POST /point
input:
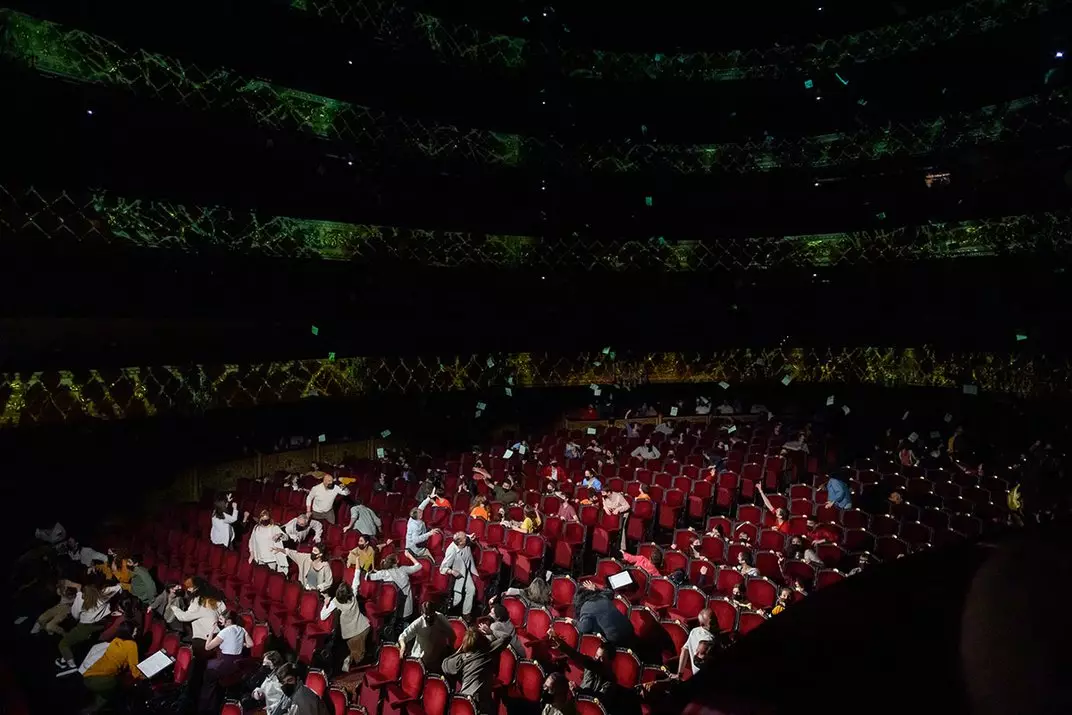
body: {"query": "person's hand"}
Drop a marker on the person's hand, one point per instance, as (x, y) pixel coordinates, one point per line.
(590, 585)
(484, 627)
(492, 600)
(245, 516)
(829, 504)
(279, 550)
(258, 694)
(345, 529)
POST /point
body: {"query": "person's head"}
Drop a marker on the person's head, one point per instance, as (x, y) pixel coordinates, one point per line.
(191, 585)
(287, 675)
(362, 542)
(389, 562)
(302, 521)
(428, 612)
(704, 618)
(344, 593)
(228, 618)
(737, 592)
(647, 442)
(264, 518)
(780, 514)
(473, 640)
(480, 500)
(555, 688)
(134, 560)
(272, 659)
(539, 591)
(382, 478)
(592, 494)
(642, 488)
(864, 561)
(530, 511)
(604, 653)
(127, 631)
(415, 513)
(812, 524)
(656, 557)
(327, 481)
(588, 474)
(460, 539)
(785, 594)
(896, 498)
(219, 508)
(317, 553)
(499, 613)
(744, 558)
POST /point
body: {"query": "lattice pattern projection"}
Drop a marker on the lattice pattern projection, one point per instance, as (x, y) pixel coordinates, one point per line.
(453, 42)
(70, 396)
(103, 218)
(78, 55)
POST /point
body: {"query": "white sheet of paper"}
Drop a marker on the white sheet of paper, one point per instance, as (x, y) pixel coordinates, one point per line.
(935, 435)
(787, 379)
(830, 401)
(478, 413)
(845, 409)
(913, 437)
(155, 663)
(508, 453)
(673, 412)
(971, 390)
(522, 449)
(724, 385)
(322, 438)
(380, 453)
(904, 416)
(481, 406)
(619, 580)
(597, 392)
(732, 429)
(491, 362)
(509, 392)
(591, 430)
(386, 433)
(948, 417)
(20, 620)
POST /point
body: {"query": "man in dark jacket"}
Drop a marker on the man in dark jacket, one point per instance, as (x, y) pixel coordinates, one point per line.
(596, 614)
(298, 699)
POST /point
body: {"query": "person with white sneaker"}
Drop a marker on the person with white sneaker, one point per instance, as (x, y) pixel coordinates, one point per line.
(89, 608)
(50, 620)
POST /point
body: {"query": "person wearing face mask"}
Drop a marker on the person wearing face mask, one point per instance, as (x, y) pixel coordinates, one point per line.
(364, 520)
(263, 687)
(354, 626)
(320, 504)
(475, 664)
(206, 605)
(363, 556)
(697, 635)
(428, 639)
(297, 698)
(646, 451)
(599, 680)
(299, 528)
(224, 515)
(263, 541)
(314, 571)
(231, 640)
(556, 696)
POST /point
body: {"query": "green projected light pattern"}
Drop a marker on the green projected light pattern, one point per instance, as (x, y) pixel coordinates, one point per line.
(74, 54)
(79, 395)
(462, 43)
(102, 218)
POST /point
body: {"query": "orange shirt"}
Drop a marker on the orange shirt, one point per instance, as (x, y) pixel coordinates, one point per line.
(441, 502)
(642, 497)
(480, 512)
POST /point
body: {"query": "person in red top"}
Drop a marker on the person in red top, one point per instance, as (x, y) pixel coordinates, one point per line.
(650, 565)
(554, 472)
(781, 518)
(821, 533)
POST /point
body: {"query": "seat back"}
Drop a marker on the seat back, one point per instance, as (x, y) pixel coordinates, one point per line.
(183, 658)
(170, 644)
(435, 699)
(661, 592)
(412, 678)
(507, 667)
(316, 681)
(529, 681)
(231, 707)
(516, 608)
(538, 622)
(338, 700)
(563, 589)
(626, 667)
(259, 634)
(389, 663)
(462, 705)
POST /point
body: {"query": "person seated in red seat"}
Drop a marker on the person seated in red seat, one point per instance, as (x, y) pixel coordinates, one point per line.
(566, 510)
(614, 502)
(785, 597)
(554, 473)
(590, 413)
(739, 598)
(821, 533)
(590, 498)
(697, 635)
(781, 518)
(439, 500)
(744, 564)
(642, 493)
(599, 680)
(651, 565)
(556, 696)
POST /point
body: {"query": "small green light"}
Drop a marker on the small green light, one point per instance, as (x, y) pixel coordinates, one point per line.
(842, 79)
(315, 330)
(648, 201)
(808, 84)
(881, 216)
(1020, 337)
(331, 357)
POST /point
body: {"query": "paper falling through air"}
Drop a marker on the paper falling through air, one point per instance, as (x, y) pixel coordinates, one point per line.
(935, 434)
(593, 387)
(509, 392)
(478, 413)
(597, 392)
(971, 390)
(322, 438)
(673, 412)
(606, 350)
(491, 362)
(481, 406)
(331, 357)
(948, 417)
(386, 433)
(787, 379)
(20, 620)
(380, 453)
(732, 429)
(315, 330)
(508, 453)
(510, 381)
(591, 430)
(830, 401)
(913, 437)
(845, 409)
(904, 416)
(724, 385)
(1020, 337)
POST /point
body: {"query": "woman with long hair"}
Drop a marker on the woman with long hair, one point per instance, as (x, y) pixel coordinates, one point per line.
(536, 594)
(89, 608)
(102, 678)
(354, 627)
(224, 515)
(475, 664)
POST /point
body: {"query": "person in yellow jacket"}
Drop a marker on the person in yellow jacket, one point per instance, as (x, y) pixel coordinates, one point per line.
(102, 677)
(116, 569)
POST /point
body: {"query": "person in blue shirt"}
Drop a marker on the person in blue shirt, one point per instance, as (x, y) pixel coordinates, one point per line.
(591, 481)
(838, 493)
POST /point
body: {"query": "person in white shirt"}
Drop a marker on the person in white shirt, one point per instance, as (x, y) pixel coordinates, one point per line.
(231, 641)
(390, 570)
(203, 614)
(354, 626)
(320, 504)
(298, 529)
(429, 638)
(263, 540)
(363, 519)
(270, 691)
(725, 408)
(84, 555)
(703, 405)
(89, 608)
(646, 451)
(665, 427)
(458, 562)
(314, 571)
(224, 515)
(697, 635)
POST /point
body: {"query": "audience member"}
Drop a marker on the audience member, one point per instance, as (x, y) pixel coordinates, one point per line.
(297, 698)
(651, 565)
(263, 686)
(428, 639)
(364, 520)
(697, 635)
(265, 538)
(536, 594)
(89, 609)
(224, 515)
(102, 677)
(781, 516)
(475, 664)
(591, 481)
(503, 627)
(363, 556)
(354, 626)
(390, 570)
(599, 680)
(595, 612)
(614, 502)
(566, 510)
(480, 508)
(142, 585)
(458, 562)
(297, 530)
(785, 597)
(556, 696)
(314, 571)
(646, 451)
(838, 493)
(231, 640)
(51, 621)
(320, 504)
(744, 564)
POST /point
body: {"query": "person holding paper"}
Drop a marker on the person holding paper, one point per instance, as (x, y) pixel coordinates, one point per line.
(102, 678)
(781, 517)
(417, 532)
(666, 428)
(320, 504)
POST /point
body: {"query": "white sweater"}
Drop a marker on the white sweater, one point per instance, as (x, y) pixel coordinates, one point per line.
(322, 500)
(203, 620)
(261, 542)
(98, 612)
(222, 531)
